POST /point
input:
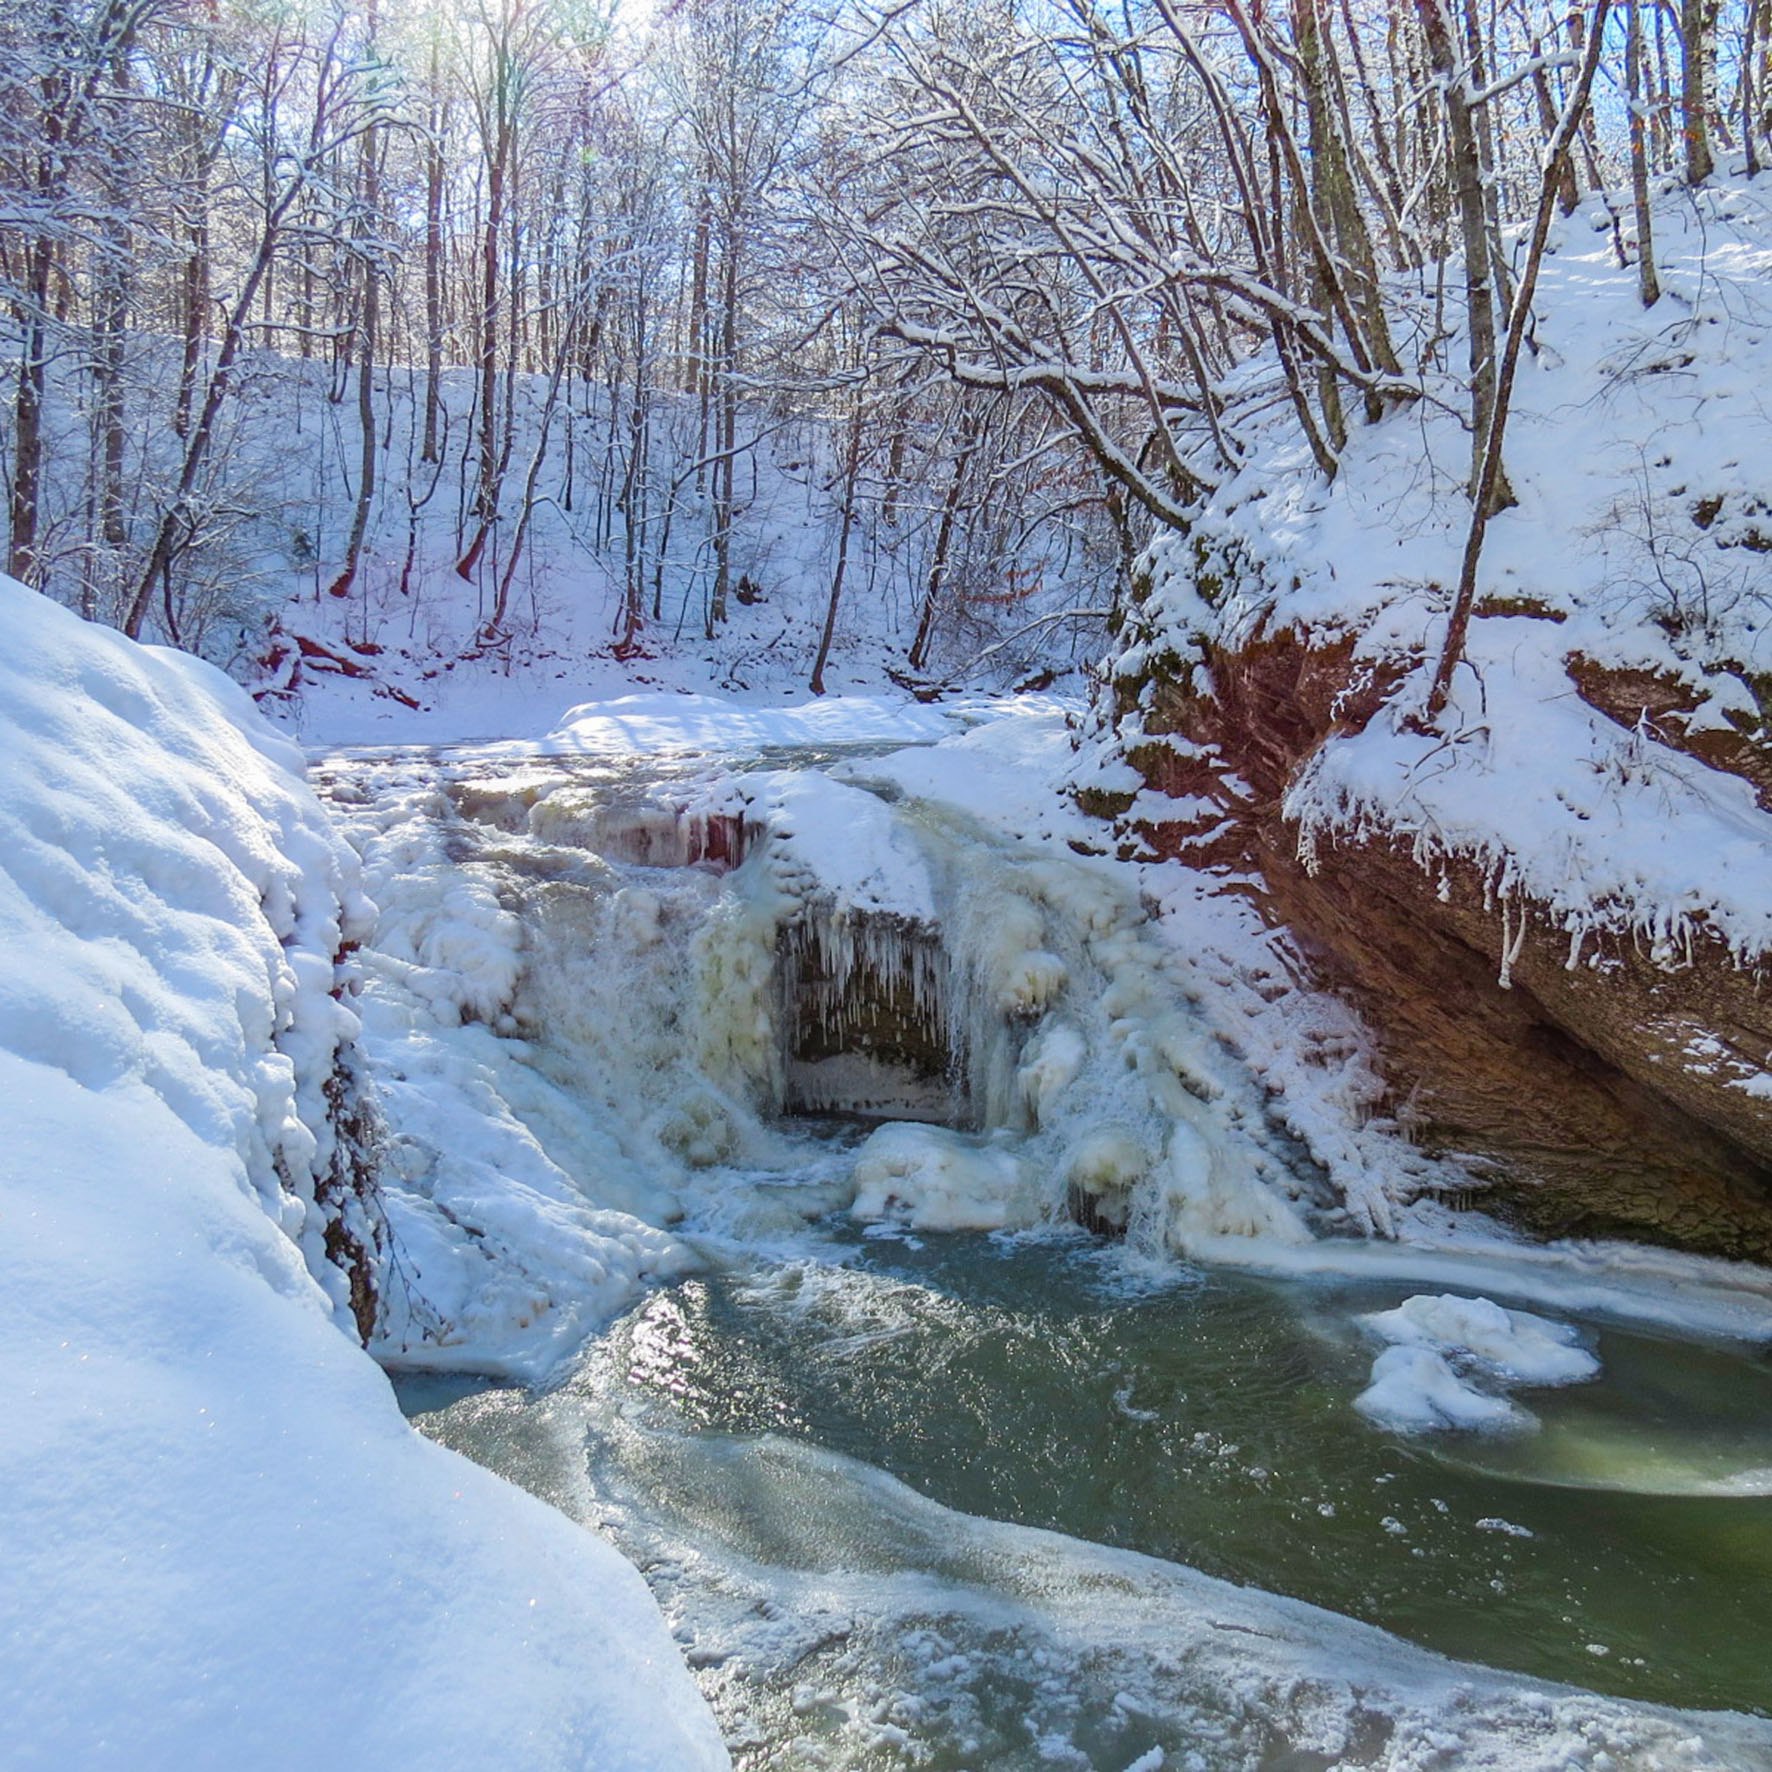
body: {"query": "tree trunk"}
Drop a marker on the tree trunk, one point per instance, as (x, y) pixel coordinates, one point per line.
(1466, 174)
(1698, 46)
(27, 454)
(1648, 283)
(944, 542)
(433, 269)
(368, 341)
(486, 495)
(1483, 500)
(851, 475)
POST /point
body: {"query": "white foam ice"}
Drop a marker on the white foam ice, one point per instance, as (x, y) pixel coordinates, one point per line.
(1515, 1346)
(1439, 1344)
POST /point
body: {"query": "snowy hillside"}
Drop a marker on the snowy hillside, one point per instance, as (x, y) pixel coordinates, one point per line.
(1633, 564)
(226, 1547)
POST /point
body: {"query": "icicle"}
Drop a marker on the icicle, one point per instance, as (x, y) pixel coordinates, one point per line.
(1512, 941)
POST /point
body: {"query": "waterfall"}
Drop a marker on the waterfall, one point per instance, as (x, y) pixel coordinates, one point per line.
(604, 999)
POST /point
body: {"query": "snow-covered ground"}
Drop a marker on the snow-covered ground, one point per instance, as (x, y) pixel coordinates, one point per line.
(224, 1544)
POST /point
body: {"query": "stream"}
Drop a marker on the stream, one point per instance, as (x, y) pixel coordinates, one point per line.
(923, 1492)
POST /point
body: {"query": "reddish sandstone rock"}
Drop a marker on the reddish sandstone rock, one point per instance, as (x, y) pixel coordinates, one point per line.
(1603, 1096)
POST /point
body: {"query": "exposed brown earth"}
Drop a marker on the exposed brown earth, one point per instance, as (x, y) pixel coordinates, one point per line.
(1599, 1096)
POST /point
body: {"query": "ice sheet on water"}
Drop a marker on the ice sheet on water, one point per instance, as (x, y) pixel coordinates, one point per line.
(839, 1615)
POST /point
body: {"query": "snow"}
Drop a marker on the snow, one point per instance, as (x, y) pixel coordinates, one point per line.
(835, 842)
(1638, 451)
(1515, 1346)
(725, 725)
(1439, 1343)
(1414, 1390)
(226, 1546)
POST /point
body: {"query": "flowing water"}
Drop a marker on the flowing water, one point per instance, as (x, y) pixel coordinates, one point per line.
(912, 1496)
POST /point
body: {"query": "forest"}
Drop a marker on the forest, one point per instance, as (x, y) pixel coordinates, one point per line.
(356, 304)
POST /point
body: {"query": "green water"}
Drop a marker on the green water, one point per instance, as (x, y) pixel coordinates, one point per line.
(1206, 1419)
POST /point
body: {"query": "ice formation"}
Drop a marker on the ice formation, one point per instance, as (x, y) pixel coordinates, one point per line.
(935, 1180)
(1415, 1390)
(1441, 1343)
(605, 988)
(1515, 1346)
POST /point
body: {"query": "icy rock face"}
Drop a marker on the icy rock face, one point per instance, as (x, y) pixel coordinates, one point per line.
(865, 1020)
(863, 1013)
(1067, 1039)
(564, 1041)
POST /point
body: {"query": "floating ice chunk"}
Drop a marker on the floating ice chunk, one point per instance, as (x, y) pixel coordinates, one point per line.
(1492, 1523)
(1414, 1390)
(1514, 1345)
(936, 1180)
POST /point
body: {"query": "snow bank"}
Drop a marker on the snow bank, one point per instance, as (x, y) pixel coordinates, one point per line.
(225, 1545)
(1602, 828)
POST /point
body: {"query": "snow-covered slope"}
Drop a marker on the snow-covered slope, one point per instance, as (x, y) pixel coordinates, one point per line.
(224, 1545)
(1640, 451)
